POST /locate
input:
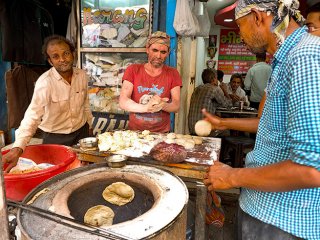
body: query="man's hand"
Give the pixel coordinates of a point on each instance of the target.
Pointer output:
(11, 158)
(218, 177)
(216, 122)
(235, 98)
(156, 104)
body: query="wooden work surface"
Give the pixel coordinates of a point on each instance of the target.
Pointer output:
(197, 161)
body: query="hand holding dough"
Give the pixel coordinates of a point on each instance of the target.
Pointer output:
(202, 128)
(156, 103)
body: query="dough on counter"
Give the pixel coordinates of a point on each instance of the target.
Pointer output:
(202, 128)
(145, 132)
(171, 135)
(99, 216)
(197, 140)
(179, 135)
(189, 144)
(181, 141)
(118, 193)
(170, 140)
(149, 138)
(187, 136)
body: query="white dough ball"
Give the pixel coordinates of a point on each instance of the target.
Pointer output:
(170, 140)
(171, 136)
(180, 141)
(187, 136)
(202, 128)
(179, 135)
(190, 140)
(145, 132)
(197, 140)
(189, 145)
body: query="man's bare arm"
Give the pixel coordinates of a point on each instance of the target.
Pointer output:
(174, 105)
(279, 177)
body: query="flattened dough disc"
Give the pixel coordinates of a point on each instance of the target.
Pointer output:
(118, 193)
(99, 216)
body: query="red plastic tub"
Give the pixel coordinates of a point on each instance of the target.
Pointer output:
(19, 185)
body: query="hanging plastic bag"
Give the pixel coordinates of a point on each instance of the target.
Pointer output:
(185, 23)
(204, 21)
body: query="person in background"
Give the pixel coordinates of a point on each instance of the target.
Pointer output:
(220, 75)
(280, 193)
(313, 19)
(256, 79)
(151, 91)
(238, 124)
(251, 124)
(60, 104)
(236, 93)
(208, 96)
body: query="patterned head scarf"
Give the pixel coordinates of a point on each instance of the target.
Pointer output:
(159, 37)
(282, 10)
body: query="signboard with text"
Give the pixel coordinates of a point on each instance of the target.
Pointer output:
(233, 54)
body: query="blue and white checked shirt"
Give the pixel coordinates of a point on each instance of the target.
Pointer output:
(290, 129)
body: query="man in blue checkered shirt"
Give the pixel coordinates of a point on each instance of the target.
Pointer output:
(280, 195)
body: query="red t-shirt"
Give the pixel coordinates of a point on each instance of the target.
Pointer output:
(144, 87)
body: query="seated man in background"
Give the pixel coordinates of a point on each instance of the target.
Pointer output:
(208, 96)
(236, 93)
(256, 79)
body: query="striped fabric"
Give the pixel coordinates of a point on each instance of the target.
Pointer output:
(159, 37)
(290, 129)
(281, 9)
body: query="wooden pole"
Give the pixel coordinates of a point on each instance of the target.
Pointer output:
(4, 226)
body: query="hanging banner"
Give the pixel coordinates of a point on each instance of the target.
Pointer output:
(233, 54)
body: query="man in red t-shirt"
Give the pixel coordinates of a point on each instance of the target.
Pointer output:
(151, 91)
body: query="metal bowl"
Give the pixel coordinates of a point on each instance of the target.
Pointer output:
(89, 142)
(116, 161)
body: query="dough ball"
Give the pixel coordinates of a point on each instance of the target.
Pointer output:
(171, 136)
(202, 128)
(197, 140)
(179, 135)
(170, 140)
(187, 136)
(181, 141)
(149, 138)
(189, 145)
(99, 215)
(118, 193)
(145, 132)
(190, 140)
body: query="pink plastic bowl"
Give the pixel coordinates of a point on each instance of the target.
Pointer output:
(19, 185)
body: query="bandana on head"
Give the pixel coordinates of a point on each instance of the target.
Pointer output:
(282, 10)
(159, 37)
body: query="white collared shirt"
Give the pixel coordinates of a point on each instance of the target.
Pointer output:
(56, 106)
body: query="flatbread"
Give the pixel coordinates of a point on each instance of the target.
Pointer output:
(99, 215)
(118, 193)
